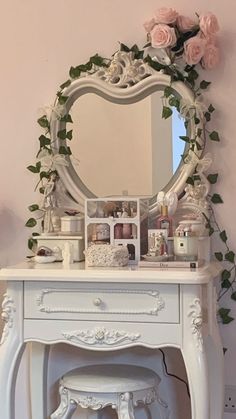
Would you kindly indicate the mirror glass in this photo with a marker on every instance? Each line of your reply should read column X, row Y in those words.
column 125, row 149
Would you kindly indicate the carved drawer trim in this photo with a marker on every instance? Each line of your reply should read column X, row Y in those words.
column 156, row 299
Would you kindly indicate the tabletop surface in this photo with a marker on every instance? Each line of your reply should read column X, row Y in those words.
column 29, row 271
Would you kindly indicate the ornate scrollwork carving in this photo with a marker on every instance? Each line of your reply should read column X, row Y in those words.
column 196, row 322
column 124, row 70
column 101, row 336
column 8, row 308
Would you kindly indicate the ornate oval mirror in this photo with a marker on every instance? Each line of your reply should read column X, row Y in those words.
column 121, row 142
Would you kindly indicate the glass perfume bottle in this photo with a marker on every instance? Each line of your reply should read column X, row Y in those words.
column 164, row 221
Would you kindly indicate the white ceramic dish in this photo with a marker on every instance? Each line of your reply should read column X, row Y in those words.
column 45, row 259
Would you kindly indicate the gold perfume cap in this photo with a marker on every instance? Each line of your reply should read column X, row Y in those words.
column 164, row 210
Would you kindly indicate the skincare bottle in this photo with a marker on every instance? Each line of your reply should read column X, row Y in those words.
column 118, row 231
column 164, row 221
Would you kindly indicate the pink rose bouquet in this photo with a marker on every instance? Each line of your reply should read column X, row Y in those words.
column 194, row 49
column 166, row 15
column 163, row 36
column 193, row 40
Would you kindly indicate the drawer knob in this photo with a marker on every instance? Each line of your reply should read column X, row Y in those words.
column 97, row 302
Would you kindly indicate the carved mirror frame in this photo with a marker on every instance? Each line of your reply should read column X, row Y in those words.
column 127, row 80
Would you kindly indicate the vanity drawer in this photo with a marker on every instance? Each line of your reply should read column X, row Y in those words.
column 155, row 303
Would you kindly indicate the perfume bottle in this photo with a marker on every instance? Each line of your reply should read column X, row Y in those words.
column 164, row 221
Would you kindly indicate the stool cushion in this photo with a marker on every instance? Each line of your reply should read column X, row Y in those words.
column 110, row 378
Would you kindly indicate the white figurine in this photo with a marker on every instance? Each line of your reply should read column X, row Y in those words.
column 49, row 203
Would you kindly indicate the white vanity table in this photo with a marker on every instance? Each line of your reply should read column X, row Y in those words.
column 111, row 309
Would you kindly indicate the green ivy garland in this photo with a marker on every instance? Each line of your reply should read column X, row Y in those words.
column 189, row 77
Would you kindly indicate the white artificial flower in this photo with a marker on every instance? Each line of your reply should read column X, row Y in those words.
column 189, row 109
column 51, row 161
column 53, row 112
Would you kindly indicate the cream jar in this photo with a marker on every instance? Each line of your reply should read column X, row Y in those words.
column 185, row 244
column 72, row 224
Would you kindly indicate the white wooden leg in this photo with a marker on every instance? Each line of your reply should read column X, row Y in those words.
column 11, row 347
column 38, row 379
column 194, row 353
column 66, row 407
column 215, row 359
column 125, row 407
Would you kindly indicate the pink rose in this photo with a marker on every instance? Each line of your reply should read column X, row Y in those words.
column 209, row 24
column 185, row 24
column 194, row 49
column 149, row 25
column 166, row 15
column 211, row 56
column 163, row 36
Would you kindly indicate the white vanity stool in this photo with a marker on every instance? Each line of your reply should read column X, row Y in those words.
column 122, row 387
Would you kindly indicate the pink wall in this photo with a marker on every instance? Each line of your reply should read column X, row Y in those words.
column 40, row 40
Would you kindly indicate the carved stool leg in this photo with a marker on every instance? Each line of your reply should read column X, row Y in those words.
column 66, row 407
column 125, row 407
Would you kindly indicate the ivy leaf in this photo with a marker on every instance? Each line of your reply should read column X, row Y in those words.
column 211, row 108
column 43, row 122
column 66, row 118
column 44, row 174
column 219, row 256
column 190, row 181
column 35, row 169
column 174, row 101
column 216, row 199
column 214, row 136
column 199, row 132
column 124, row 47
column 64, row 150
column 225, row 275
column 74, row 72
column 192, row 75
column 31, row 222
column 211, row 231
column 204, row 84
column 196, row 120
column 225, row 350
column 34, row 234
column 233, row 296
column 212, row 178
column 224, row 315
column 226, row 284
column 168, row 91
column 33, row 207
column 41, row 190
column 98, row 60
column 66, row 84
column 62, row 134
column 69, row 135
column 62, row 99
column 166, row 112
column 207, row 116
column 230, row 256
column 44, row 141
column 199, row 147
column 223, row 236
column 31, row 243
column 185, row 138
